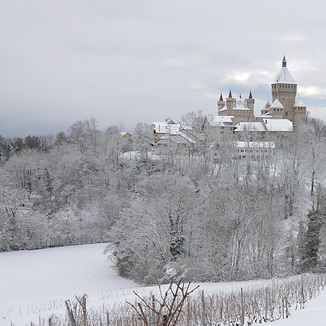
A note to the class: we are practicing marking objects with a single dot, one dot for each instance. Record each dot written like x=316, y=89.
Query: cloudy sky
x=129, y=61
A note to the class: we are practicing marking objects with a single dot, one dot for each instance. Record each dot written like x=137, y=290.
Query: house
x=126, y=141
x=255, y=150
x=267, y=128
x=217, y=128
x=172, y=136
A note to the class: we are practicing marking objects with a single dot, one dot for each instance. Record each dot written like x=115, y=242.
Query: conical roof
x=284, y=76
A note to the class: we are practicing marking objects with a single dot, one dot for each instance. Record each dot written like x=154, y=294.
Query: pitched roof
x=277, y=105
x=163, y=127
x=217, y=120
x=250, y=126
x=284, y=77
x=278, y=124
x=299, y=103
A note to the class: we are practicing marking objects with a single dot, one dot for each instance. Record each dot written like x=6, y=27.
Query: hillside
x=36, y=283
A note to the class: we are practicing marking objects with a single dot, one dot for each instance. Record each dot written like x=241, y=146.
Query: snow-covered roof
x=177, y=138
x=250, y=126
x=241, y=108
x=284, y=77
x=278, y=124
x=277, y=105
x=254, y=144
x=223, y=109
x=190, y=140
x=268, y=104
x=299, y=103
x=163, y=127
x=240, y=105
x=216, y=120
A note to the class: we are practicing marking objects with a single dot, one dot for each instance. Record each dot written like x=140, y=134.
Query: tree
x=158, y=222
x=193, y=119
x=11, y=201
x=86, y=135
x=310, y=258
x=143, y=139
x=316, y=222
x=61, y=138
x=32, y=142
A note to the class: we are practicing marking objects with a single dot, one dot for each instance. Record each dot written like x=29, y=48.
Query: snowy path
x=36, y=283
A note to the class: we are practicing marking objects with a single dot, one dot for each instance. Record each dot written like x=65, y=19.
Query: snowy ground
x=36, y=283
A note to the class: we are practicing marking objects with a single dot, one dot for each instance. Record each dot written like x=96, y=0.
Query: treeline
x=183, y=215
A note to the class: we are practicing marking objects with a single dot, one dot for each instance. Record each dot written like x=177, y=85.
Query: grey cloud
x=127, y=61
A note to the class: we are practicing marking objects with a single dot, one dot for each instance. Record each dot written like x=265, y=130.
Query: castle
x=237, y=117
x=284, y=104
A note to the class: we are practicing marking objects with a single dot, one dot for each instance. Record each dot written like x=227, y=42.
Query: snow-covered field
x=36, y=283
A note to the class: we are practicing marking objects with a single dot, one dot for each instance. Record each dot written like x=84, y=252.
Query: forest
x=169, y=215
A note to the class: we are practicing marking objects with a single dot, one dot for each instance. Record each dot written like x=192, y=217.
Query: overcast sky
x=142, y=61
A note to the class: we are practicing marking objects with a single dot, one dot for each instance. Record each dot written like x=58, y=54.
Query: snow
x=277, y=105
x=39, y=277
x=216, y=120
x=278, y=125
x=313, y=314
x=36, y=283
x=284, y=77
x=163, y=127
x=299, y=103
x=243, y=144
x=250, y=126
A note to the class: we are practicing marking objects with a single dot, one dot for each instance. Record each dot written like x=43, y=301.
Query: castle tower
x=299, y=112
x=220, y=103
x=276, y=110
x=284, y=89
x=230, y=103
x=250, y=102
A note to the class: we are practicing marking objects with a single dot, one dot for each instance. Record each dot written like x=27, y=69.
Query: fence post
x=211, y=312
x=188, y=317
x=283, y=308
x=84, y=311
x=242, y=309
x=50, y=321
x=266, y=304
x=203, y=306
x=70, y=314
x=153, y=312
x=302, y=294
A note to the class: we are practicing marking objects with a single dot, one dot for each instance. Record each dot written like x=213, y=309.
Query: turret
x=230, y=104
x=299, y=112
x=251, y=106
x=220, y=103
